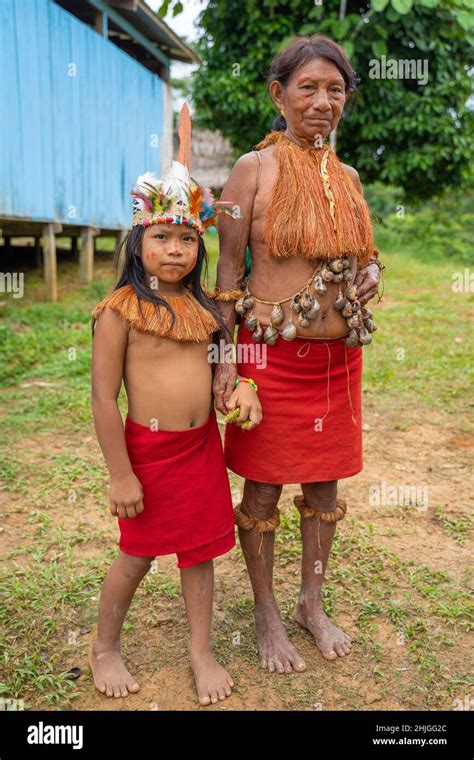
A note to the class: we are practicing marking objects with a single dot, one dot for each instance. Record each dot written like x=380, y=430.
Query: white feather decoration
x=144, y=181
x=176, y=182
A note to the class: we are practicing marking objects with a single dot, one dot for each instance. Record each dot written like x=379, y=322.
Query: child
x=169, y=485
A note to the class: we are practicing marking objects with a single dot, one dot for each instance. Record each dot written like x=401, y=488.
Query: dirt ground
x=381, y=672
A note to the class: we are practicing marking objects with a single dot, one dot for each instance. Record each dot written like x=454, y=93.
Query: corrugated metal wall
x=78, y=119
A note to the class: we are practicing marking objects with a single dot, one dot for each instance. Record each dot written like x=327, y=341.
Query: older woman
x=313, y=269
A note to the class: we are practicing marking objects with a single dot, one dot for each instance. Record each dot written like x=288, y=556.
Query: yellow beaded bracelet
x=247, y=380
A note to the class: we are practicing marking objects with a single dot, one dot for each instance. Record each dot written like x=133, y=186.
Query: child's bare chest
x=152, y=345
x=167, y=379
x=149, y=355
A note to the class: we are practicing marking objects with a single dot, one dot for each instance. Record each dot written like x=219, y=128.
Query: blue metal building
x=86, y=107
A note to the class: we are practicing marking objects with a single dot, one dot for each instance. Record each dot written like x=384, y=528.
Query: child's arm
x=108, y=355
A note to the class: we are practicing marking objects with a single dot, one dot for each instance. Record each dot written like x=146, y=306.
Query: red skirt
x=310, y=391
x=187, y=500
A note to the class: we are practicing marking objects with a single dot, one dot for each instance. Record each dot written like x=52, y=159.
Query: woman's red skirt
x=187, y=500
x=310, y=391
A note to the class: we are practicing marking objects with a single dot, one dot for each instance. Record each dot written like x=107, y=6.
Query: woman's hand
x=126, y=496
x=245, y=397
x=367, y=283
x=223, y=385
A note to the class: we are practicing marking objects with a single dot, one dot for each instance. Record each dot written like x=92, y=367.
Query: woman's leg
x=317, y=537
x=111, y=677
x=212, y=681
x=276, y=652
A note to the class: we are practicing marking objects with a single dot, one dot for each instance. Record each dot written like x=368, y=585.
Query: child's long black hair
x=133, y=273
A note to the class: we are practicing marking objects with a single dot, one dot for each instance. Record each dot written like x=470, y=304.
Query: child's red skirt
x=187, y=499
x=310, y=391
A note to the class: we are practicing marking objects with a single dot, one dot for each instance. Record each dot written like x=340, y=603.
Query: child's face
x=169, y=251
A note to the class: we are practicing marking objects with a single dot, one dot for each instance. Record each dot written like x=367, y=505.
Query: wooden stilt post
x=37, y=250
x=86, y=256
x=120, y=236
x=49, y=262
x=7, y=245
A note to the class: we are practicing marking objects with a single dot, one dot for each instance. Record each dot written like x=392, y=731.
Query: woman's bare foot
x=213, y=682
x=331, y=641
x=111, y=677
x=275, y=650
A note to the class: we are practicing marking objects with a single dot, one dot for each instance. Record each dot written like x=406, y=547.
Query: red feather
x=185, y=137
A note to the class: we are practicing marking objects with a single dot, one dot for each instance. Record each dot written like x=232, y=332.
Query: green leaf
x=402, y=6
x=379, y=48
x=340, y=27
x=379, y=5
x=429, y=3
x=382, y=31
x=466, y=20
x=348, y=47
x=163, y=9
x=392, y=15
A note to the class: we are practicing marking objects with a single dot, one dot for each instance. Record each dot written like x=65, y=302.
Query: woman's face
x=169, y=251
x=313, y=100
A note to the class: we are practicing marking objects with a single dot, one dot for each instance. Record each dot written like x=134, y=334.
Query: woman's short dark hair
x=298, y=51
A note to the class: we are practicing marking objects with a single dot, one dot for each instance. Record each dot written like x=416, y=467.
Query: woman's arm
x=234, y=233
x=233, y=239
x=368, y=278
x=108, y=356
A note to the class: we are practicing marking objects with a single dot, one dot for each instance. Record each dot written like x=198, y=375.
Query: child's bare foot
x=111, y=677
x=213, y=683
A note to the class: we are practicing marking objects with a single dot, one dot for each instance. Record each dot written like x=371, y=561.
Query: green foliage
x=39, y=604
x=443, y=227
x=175, y=5
x=39, y=330
x=414, y=136
x=383, y=199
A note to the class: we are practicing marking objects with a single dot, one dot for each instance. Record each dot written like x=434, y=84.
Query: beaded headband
x=178, y=198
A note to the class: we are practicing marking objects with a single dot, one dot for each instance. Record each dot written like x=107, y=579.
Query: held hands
x=245, y=397
x=223, y=386
x=126, y=496
x=367, y=283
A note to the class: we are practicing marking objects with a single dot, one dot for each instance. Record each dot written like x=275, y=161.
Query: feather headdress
x=177, y=198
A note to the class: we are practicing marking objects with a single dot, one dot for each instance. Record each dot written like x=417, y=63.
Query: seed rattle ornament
x=232, y=416
x=305, y=307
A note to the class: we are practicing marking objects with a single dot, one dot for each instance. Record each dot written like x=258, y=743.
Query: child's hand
x=247, y=399
x=126, y=496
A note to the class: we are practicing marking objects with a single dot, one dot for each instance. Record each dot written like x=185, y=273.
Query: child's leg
x=111, y=677
x=212, y=681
